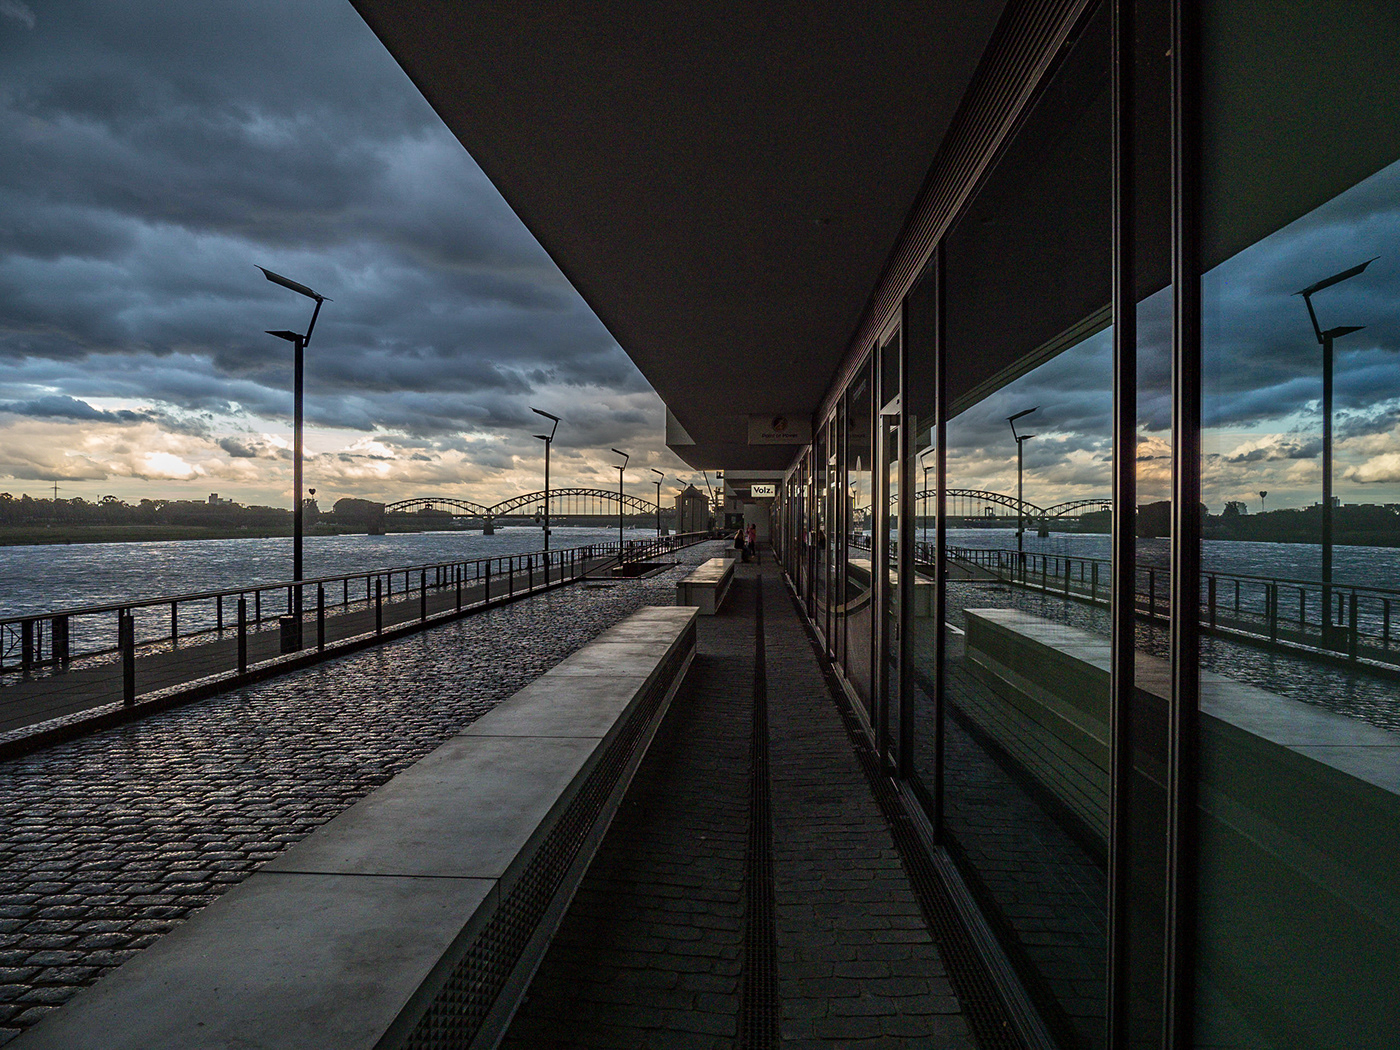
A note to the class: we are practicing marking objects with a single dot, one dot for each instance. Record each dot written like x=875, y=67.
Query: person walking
x=751, y=542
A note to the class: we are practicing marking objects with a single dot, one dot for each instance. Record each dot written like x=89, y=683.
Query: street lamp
x=660, y=477
x=1326, y=339
x=620, y=469
x=923, y=465
x=1021, y=440
x=548, y=440
x=300, y=342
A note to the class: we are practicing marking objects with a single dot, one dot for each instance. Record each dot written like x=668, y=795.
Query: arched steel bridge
x=562, y=502
x=1027, y=508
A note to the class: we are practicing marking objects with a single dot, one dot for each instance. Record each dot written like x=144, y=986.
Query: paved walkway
x=662, y=947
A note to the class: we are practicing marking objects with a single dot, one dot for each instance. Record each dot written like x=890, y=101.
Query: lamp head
x=543, y=437
x=286, y=282
x=291, y=337
x=1337, y=278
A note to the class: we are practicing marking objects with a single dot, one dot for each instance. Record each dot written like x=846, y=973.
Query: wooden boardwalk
x=166, y=669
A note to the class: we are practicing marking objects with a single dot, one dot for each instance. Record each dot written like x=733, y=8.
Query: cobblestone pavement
x=650, y=953
x=110, y=841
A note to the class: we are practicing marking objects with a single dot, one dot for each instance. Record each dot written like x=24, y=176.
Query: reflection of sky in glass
x=1263, y=365
x=1071, y=455
x=1263, y=378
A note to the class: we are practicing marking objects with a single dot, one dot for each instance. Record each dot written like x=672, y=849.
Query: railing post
x=1237, y=596
x=257, y=608
x=242, y=634
x=457, y=573
x=378, y=605
x=60, y=640
x=486, y=581
x=174, y=623
x=1068, y=565
x=1094, y=584
x=1302, y=612
x=1385, y=622
x=1151, y=594
x=1210, y=598
x=345, y=593
x=1271, y=590
x=26, y=646
x=422, y=595
x=530, y=563
x=1353, y=637
x=320, y=617
x=510, y=576
x=219, y=612
x=126, y=640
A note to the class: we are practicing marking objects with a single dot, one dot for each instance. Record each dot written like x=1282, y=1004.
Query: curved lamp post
x=1021, y=440
x=1325, y=339
x=620, y=469
x=548, y=440
x=660, y=477
x=301, y=342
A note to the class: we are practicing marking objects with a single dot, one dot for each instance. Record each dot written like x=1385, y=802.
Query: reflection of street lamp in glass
x=620, y=469
x=1325, y=339
x=548, y=440
x=300, y=342
x=923, y=464
x=1021, y=440
x=660, y=477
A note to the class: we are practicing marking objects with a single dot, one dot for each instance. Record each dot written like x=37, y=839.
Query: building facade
x=1091, y=307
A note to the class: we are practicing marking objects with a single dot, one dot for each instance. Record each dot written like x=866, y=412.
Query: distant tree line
x=109, y=510
x=1353, y=524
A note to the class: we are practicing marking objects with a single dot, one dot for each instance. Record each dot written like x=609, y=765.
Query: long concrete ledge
x=417, y=916
x=706, y=587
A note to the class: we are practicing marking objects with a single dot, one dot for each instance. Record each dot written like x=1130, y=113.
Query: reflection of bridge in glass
x=987, y=500
x=563, y=503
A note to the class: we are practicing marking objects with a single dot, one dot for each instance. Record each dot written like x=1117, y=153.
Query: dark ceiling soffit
x=1001, y=94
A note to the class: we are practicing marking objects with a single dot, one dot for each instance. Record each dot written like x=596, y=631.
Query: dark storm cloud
x=1261, y=355
x=156, y=153
x=59, y=406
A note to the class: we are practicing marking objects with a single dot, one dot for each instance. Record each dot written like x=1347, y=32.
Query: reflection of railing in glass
x=1284, y=612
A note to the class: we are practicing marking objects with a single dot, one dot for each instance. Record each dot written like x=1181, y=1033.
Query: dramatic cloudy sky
x=151, y=154
x=1263, y=379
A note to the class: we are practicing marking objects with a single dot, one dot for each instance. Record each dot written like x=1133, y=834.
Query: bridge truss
x=563, y=503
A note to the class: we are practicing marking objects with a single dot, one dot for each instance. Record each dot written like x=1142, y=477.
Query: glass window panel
x=1299, y=916
x=858, y=605
x=1029, y=450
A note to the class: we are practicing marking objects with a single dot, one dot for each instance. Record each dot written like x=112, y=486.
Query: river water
x=38, y=579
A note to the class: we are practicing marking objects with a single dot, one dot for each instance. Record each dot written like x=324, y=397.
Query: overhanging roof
x=721, y=183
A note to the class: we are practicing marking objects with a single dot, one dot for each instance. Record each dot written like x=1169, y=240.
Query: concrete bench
x=706, y=587
x=417, y=916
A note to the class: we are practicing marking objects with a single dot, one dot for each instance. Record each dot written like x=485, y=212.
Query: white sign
x=779, y=430
x=757, y=491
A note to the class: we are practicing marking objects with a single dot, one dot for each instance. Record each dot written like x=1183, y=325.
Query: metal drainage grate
x=759, y=1006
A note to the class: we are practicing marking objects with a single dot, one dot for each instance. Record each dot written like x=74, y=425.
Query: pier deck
x=96, y=682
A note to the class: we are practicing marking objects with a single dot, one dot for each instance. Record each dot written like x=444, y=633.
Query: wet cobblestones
x=109, y=842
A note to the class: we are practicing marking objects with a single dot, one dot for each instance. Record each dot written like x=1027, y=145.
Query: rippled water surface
x=40, y=578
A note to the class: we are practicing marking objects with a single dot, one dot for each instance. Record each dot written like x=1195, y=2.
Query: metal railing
x=94, y=634
x=1279, y=610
